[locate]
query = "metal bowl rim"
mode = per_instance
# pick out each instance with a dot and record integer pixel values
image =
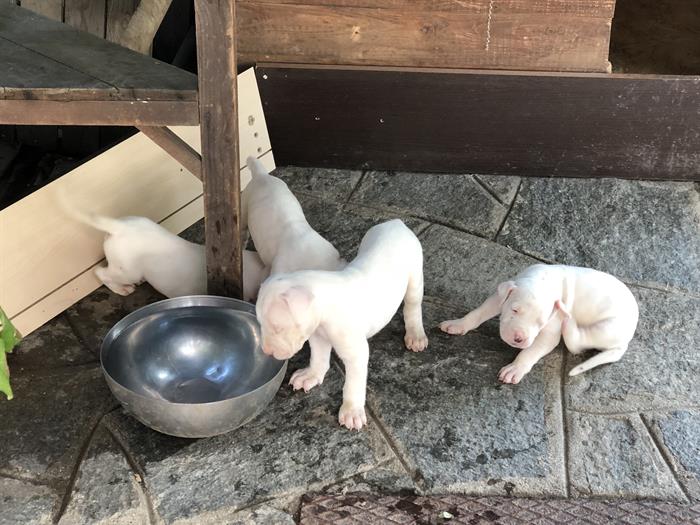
(171, 304)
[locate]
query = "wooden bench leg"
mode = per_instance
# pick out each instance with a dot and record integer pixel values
(216, 56)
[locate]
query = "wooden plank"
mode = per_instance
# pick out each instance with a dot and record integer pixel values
(135, 76)
(175, 147)
(63, 295)
(556, 124)
(599, 8)
(118, 15)
(317, 34)
(52, 9)
(86, 15)
(101, 113)
(216, 58)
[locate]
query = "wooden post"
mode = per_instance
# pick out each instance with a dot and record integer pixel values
(216, 56)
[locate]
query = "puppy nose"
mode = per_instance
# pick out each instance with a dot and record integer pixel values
(266, 349)
(518, 337)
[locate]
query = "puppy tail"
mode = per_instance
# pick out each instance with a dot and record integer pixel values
(607, 356)
(256, 167)
(99, 222)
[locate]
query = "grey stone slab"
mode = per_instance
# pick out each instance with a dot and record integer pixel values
(26, 503)
(264, 514)
(328, 184)
(679, 433)
(659, 370)
(388, 478)
(646, 232)
(463, 269)
(106, 491)
(294, 446)
(194, 233)
(504, 187)
(48, 421)
(456, 425)
(93, 316)
(53, 345)
(615, 456)
(345, 226)
(455, 200)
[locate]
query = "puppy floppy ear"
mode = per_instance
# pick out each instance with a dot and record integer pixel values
(298, 298)
(505, 289)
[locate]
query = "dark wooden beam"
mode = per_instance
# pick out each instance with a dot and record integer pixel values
(216, 58)
(99, 113)
(459, 121)
(175, 147)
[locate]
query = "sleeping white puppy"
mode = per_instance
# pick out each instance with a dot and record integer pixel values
(137, 250)
(589, 308)
(283, 238)
(342, 309)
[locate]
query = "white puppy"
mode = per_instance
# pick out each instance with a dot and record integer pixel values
(342, 309)
(282, 236)
(591, 309)
(137, 250)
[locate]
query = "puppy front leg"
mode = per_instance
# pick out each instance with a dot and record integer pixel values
(313, 375)
(415, 338)
(355, 360)
(544, 343)
(490, 308)
(104, 275)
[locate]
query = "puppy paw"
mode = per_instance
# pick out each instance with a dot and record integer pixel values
(512, 373)
(454, 327)
(416, 341)
(352, 417)
(305, 378)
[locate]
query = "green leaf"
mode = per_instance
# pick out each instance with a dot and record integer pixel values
(9, 337)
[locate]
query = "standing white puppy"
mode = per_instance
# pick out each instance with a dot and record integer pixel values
(342, 309)
(283, 238)
(591, 309)
(137, 250)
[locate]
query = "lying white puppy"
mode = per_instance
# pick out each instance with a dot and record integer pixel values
(591, 309)
(137, 250)
(342, 309)
(282, 236)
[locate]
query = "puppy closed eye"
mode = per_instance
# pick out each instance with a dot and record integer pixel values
(515, 309)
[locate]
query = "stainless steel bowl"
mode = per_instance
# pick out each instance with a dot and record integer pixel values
(191, 366)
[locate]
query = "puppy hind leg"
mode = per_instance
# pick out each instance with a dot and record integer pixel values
(602, 334)
(607, 356)
(415, 338)
(112, 282)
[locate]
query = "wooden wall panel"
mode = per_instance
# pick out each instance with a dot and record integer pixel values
(599, 8)
(542, 36)
(50, 8)
(540, 124)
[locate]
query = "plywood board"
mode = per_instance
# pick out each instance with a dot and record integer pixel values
(49, 267)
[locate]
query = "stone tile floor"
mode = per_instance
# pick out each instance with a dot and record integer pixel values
(440, 422)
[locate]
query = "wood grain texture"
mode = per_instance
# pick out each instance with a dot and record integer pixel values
(216, 58)
(599, 8)
(555, 124)
(99, 113)
(52, 9)
(86, 15)
(175, 147)
(118, 15)
(130, 75)
(321, 34)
